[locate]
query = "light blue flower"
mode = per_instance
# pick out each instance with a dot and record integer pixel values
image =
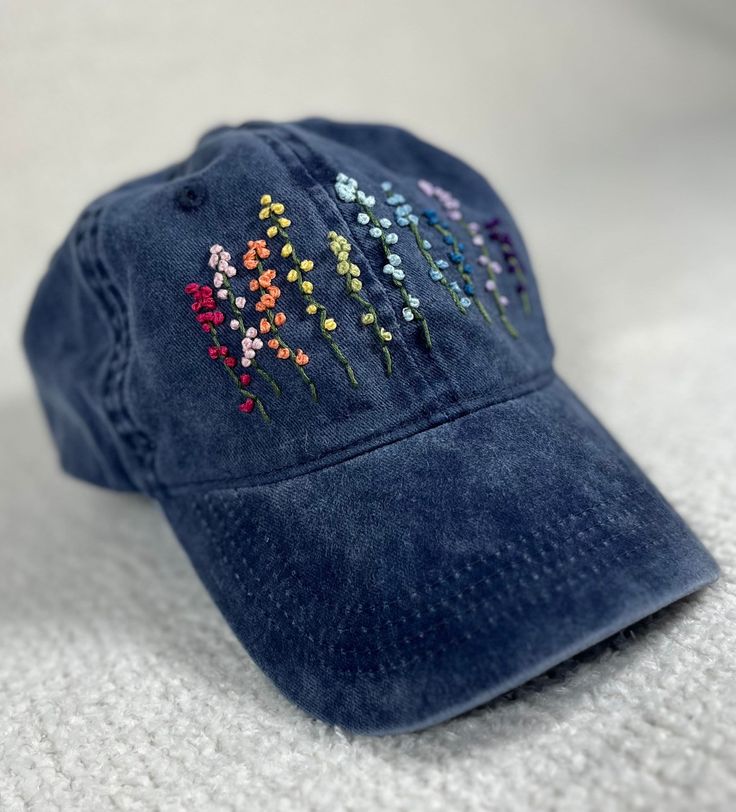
(435, 274)
(403, 211)
(465, 302)
(407, 314)
(394, 259)
(398, 274)
(395, 200)
(402, 221)
(363, 218)
(392, 238)
(427, 245)
(413, 219)
(454, 286)
(389, 270)
(386, 186)
(375, 232)
(441, 263)
(385, 222)
(413, 302)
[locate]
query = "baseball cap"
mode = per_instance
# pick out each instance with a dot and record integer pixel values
(321, 347)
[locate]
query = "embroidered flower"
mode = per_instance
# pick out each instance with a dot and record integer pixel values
(499, 236)
(453, 211)
(406, 218)
(350, 273)
(271, 321)
(393, 268)
(210, 317)
(301, 266)
(257, 250)
(237, 307)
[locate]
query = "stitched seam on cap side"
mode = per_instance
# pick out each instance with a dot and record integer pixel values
(129, 434)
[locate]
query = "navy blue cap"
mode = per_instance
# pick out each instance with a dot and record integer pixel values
(321, 348)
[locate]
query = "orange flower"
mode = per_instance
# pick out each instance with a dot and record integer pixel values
(250, 260)
(265, 327)
(274, 291)
(283, 354)
(301, 357)
(280, 318)
(259, 247)
(264, 280)
(268, 301)
(273, 344)
(253, 284)
(260, 307)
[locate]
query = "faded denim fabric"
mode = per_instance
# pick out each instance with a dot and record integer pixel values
(397, 552)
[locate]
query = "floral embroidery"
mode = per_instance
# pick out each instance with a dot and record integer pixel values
(275, 213)
(453, 211)
(406, 218)
(272, 321)
(347, 190)
(211, 317)
(350, 272)
(515, 267)
(224, 271)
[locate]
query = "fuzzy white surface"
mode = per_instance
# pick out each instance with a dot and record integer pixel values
(610, 128)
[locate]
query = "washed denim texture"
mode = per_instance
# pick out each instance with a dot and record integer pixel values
(396, 552)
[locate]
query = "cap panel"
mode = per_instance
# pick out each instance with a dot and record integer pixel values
(182, 424)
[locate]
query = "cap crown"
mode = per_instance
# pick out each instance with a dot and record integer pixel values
(289, 296)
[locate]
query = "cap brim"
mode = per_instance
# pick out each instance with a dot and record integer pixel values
(408, 584)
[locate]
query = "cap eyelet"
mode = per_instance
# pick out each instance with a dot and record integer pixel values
(191, 195)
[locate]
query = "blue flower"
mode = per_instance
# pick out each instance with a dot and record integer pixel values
(454, 286)
(402, 211)
(468, 288)
(432, 217)
(465, 302)
(386, 186)
(456, 257)
(435, 274)
(394, 200)
(442, 263)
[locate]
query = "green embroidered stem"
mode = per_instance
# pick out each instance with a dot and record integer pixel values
(340, 247)
(241, 327)
(432, 264)
(405, 295)
(292, 355)
(246, 393)
(496, 295)
(460, 265)
(312, 303)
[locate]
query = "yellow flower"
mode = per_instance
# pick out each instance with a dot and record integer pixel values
(277, 208)
(354, 269)
(343, 256)
(284, 222)
(264, 213)
(306, 265)
(331, 235)
(330, 324)
(265, 200)
(311, 309)
(355, 285)
(292, 276)
(367, 318)
(286, 250)
(385, 335)
(272, 231)
(343, 268)
(307, 287)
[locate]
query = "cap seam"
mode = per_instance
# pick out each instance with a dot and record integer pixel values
(365, 445)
